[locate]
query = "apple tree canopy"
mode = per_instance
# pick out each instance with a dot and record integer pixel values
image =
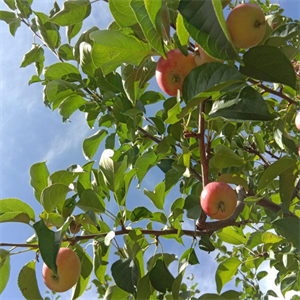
(233, 121)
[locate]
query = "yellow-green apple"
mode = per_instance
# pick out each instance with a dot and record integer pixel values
(218, 200)
(68, 271)
(171, 72)
(201, 57)
(297, 121)
(246, 25)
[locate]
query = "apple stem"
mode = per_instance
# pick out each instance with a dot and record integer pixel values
(222, 206)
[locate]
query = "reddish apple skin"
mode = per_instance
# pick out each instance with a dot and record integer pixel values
(297, 121)
(68, 271)
(215, 194)
(246, 25)
(171, 72)
(299, 151)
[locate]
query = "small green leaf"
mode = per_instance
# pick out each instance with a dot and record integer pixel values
(230, 236)
(225, 271)
(140, 213)
(158, 196)
(27, 282)
(234, 179)
(283, 227)
(15, 210)
(10, 19)
(89, 199)
(225, 157)
(144, 288)
(205, 243)
(4, 268)
(91, 144)
(115, 293)
(144, 163)
(193, 207)
(275, 170)
(64, 71)
(73, 12)
(122, 12)
(54, 195)
(125, 274)
(70, 105)
(39, 178)
(160, 277)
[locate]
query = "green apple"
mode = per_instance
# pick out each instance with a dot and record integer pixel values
(171, 72)
(201, 57)
(246, 25)
(68, 271)
(218, 200)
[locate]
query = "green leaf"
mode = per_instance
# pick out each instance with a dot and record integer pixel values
(65, 51)
(4, 268)
(249, 106)
(225, 157)
(287, 186)
(189, 257)
(115, 293)
(275, 170)
(209, 296)
(172, 114)
(181, 31)
(89, 199)
(193, 207)
(112, 48)
(283, 33)
(288, 283)
(86, 60)
(144, 288)
(73, 11)
(148, 28)
(63, 176)
(140, 213)
(49, 244)
(210, 78)
(268, 63)
(144, 163)
(53, 196)
(125, 274)
(85, 274)
(158, 196)
(91, 144)
(39, 178)
(283, 227)
(230, 236)
(160, 277)
(27, 282)
(24, 7)
(10, 19)
(204, 21)
(68, 106)
(122, 12)
(36, 54)
(234, 179)
(64, 71)
(205, 243)
(73, 30)
(225, 271)
(15, 210)
(159, 217)
(48, 31)
(259, 142)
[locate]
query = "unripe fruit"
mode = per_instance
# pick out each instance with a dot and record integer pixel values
(297, 121)
(68, 271)
(201, 57)
(75, 227)
(218, 200)
(171, 72)
(246, 25)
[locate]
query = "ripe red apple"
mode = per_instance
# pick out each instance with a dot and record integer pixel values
(171, 72)
(299, 151)
(297, 121)
(201, 57)
(246, 25)
(218, 200)
(68, 271)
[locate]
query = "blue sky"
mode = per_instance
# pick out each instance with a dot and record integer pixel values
(31, 133)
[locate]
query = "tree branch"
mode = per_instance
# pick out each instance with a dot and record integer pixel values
(267, 89)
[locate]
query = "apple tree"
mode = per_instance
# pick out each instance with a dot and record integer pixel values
(232, 120)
